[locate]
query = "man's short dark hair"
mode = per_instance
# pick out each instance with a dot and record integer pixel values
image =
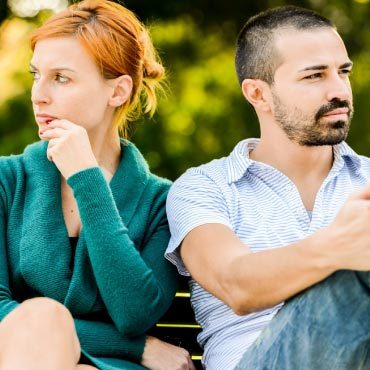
(256, 55)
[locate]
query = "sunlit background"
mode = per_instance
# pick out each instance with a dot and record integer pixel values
(30, 8)
(204, 114)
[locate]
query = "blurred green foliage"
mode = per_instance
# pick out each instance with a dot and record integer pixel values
(204, 113)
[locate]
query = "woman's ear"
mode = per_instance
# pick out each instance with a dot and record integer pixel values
(122, 88)
(257, 93)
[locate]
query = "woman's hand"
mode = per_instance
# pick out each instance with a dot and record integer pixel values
(159, 355)
(69, 147)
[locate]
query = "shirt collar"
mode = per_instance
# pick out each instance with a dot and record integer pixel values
(239, 161)
(343, 150)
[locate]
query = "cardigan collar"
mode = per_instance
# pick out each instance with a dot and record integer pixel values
(45, 252)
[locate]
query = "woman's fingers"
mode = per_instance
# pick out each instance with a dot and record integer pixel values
(62, 123)
(53, 133)
(52, 143)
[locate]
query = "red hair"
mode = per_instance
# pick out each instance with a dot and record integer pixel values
(120, 45)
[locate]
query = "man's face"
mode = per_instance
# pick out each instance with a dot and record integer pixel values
(312, 97)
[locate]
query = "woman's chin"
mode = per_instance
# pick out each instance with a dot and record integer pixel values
(41, 138)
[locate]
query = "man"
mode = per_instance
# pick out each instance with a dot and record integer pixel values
(275, 234)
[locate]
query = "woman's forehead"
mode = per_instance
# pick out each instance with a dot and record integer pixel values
(62, 53)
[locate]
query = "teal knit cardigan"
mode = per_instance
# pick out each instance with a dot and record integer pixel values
(118, 284)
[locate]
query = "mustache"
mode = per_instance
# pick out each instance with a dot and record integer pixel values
(334, 104)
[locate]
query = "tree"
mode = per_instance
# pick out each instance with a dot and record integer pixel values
(204, 114)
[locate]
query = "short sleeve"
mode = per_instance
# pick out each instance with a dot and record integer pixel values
(194, 200)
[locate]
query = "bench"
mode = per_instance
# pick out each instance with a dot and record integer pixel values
(178, 325)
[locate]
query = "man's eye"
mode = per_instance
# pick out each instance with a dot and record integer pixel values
(314, 76)
(345, 72)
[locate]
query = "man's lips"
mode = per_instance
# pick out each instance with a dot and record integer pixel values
(337, 112)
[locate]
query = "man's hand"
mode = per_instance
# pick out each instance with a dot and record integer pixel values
(159, 355)
(350, 232)
(69, 147)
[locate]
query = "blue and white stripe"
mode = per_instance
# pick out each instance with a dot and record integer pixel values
(264, 209)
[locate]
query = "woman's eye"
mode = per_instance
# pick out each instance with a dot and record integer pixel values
(62, 79)
(35, 75)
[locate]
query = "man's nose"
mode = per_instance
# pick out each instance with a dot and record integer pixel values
(339, 88)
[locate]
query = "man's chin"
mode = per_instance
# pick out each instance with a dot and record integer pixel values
(331, 140)
(339, 125)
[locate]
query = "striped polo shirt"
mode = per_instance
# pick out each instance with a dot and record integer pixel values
(264, 209)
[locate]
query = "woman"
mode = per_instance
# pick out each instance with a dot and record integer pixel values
(82, 220)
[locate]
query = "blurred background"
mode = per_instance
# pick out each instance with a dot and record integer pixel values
(204, 114)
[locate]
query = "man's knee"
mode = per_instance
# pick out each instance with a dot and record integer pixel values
(330, 304)
(336, 289)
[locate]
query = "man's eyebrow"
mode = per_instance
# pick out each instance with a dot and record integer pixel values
(318, 67)
(346, 65)
(61, 68)
(321, 67)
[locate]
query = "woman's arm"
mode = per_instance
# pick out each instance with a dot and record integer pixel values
(136, 288)
(104, 340)
(7, 304)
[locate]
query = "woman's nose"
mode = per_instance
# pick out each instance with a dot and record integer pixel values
(39, 94)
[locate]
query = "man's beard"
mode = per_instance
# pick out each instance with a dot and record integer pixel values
(311, 131)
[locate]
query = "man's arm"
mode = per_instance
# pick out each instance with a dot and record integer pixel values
(248, 281)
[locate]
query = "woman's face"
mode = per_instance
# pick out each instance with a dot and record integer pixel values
(68, 85)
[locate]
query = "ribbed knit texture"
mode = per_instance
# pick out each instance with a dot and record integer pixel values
(120, 284)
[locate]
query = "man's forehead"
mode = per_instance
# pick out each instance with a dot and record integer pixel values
(318, 46)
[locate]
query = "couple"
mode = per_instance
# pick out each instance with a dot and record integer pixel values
(271, 235)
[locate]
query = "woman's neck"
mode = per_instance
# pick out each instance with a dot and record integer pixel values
(107, 151)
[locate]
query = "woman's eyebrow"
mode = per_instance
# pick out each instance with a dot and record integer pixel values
(61, 68)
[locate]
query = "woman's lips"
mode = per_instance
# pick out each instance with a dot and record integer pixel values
(44, 119)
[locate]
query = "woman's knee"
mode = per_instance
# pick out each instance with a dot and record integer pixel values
(43, 317)
(42, 312)
(48, 326)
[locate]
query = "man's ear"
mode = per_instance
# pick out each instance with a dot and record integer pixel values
(122, 88)
(257, 93)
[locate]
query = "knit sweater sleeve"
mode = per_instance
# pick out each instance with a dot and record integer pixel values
(102, 339)
(7, 304)
(137, 287)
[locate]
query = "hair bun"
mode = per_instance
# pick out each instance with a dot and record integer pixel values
(153, 70)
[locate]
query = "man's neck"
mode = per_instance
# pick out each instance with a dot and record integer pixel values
(295, 161)
(306, 167)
